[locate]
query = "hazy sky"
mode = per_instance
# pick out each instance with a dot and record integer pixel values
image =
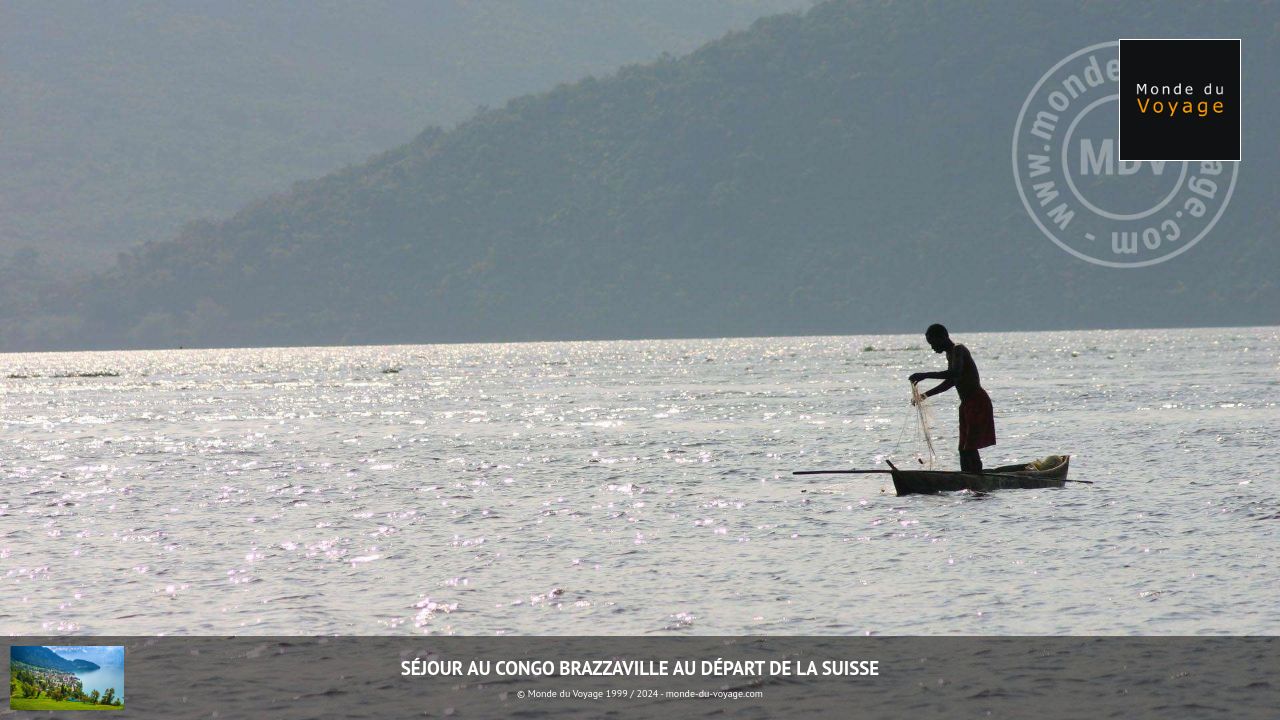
(123, 121)
(100, 654)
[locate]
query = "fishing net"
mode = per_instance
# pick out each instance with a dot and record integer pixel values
(925, 454)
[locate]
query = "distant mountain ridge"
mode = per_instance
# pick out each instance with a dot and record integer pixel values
(123, 123)
(842, 171)
(43, 657)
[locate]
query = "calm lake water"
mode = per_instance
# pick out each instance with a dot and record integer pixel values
(635, 488)
(102, 679)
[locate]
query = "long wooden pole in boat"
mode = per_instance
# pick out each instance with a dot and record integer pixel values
(849, 472)
(839, 472)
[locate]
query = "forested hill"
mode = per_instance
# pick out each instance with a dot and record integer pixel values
(847, 170)
(43, 657)
(122, 121)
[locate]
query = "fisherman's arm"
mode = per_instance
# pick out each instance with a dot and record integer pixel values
(942, 387)
(940, 375)
(955, 364)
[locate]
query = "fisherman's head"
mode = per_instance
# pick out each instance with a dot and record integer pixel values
(938, 338)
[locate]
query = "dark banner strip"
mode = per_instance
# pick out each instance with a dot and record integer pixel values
(666, 677)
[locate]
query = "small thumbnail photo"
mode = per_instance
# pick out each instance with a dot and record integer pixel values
(66, 677)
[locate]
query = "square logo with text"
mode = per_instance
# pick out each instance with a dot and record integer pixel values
(1179, 99)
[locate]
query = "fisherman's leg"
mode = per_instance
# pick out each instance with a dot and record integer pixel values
(970, 461)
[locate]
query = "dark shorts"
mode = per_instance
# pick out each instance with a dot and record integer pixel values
(977, 422)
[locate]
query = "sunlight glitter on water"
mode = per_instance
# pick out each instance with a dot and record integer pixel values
(646, 483)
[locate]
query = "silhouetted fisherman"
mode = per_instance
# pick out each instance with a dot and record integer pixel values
(977, 419)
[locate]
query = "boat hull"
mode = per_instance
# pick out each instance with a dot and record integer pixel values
(1009, 477)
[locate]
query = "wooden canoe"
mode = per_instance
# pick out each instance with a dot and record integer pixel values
(1007, 477)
